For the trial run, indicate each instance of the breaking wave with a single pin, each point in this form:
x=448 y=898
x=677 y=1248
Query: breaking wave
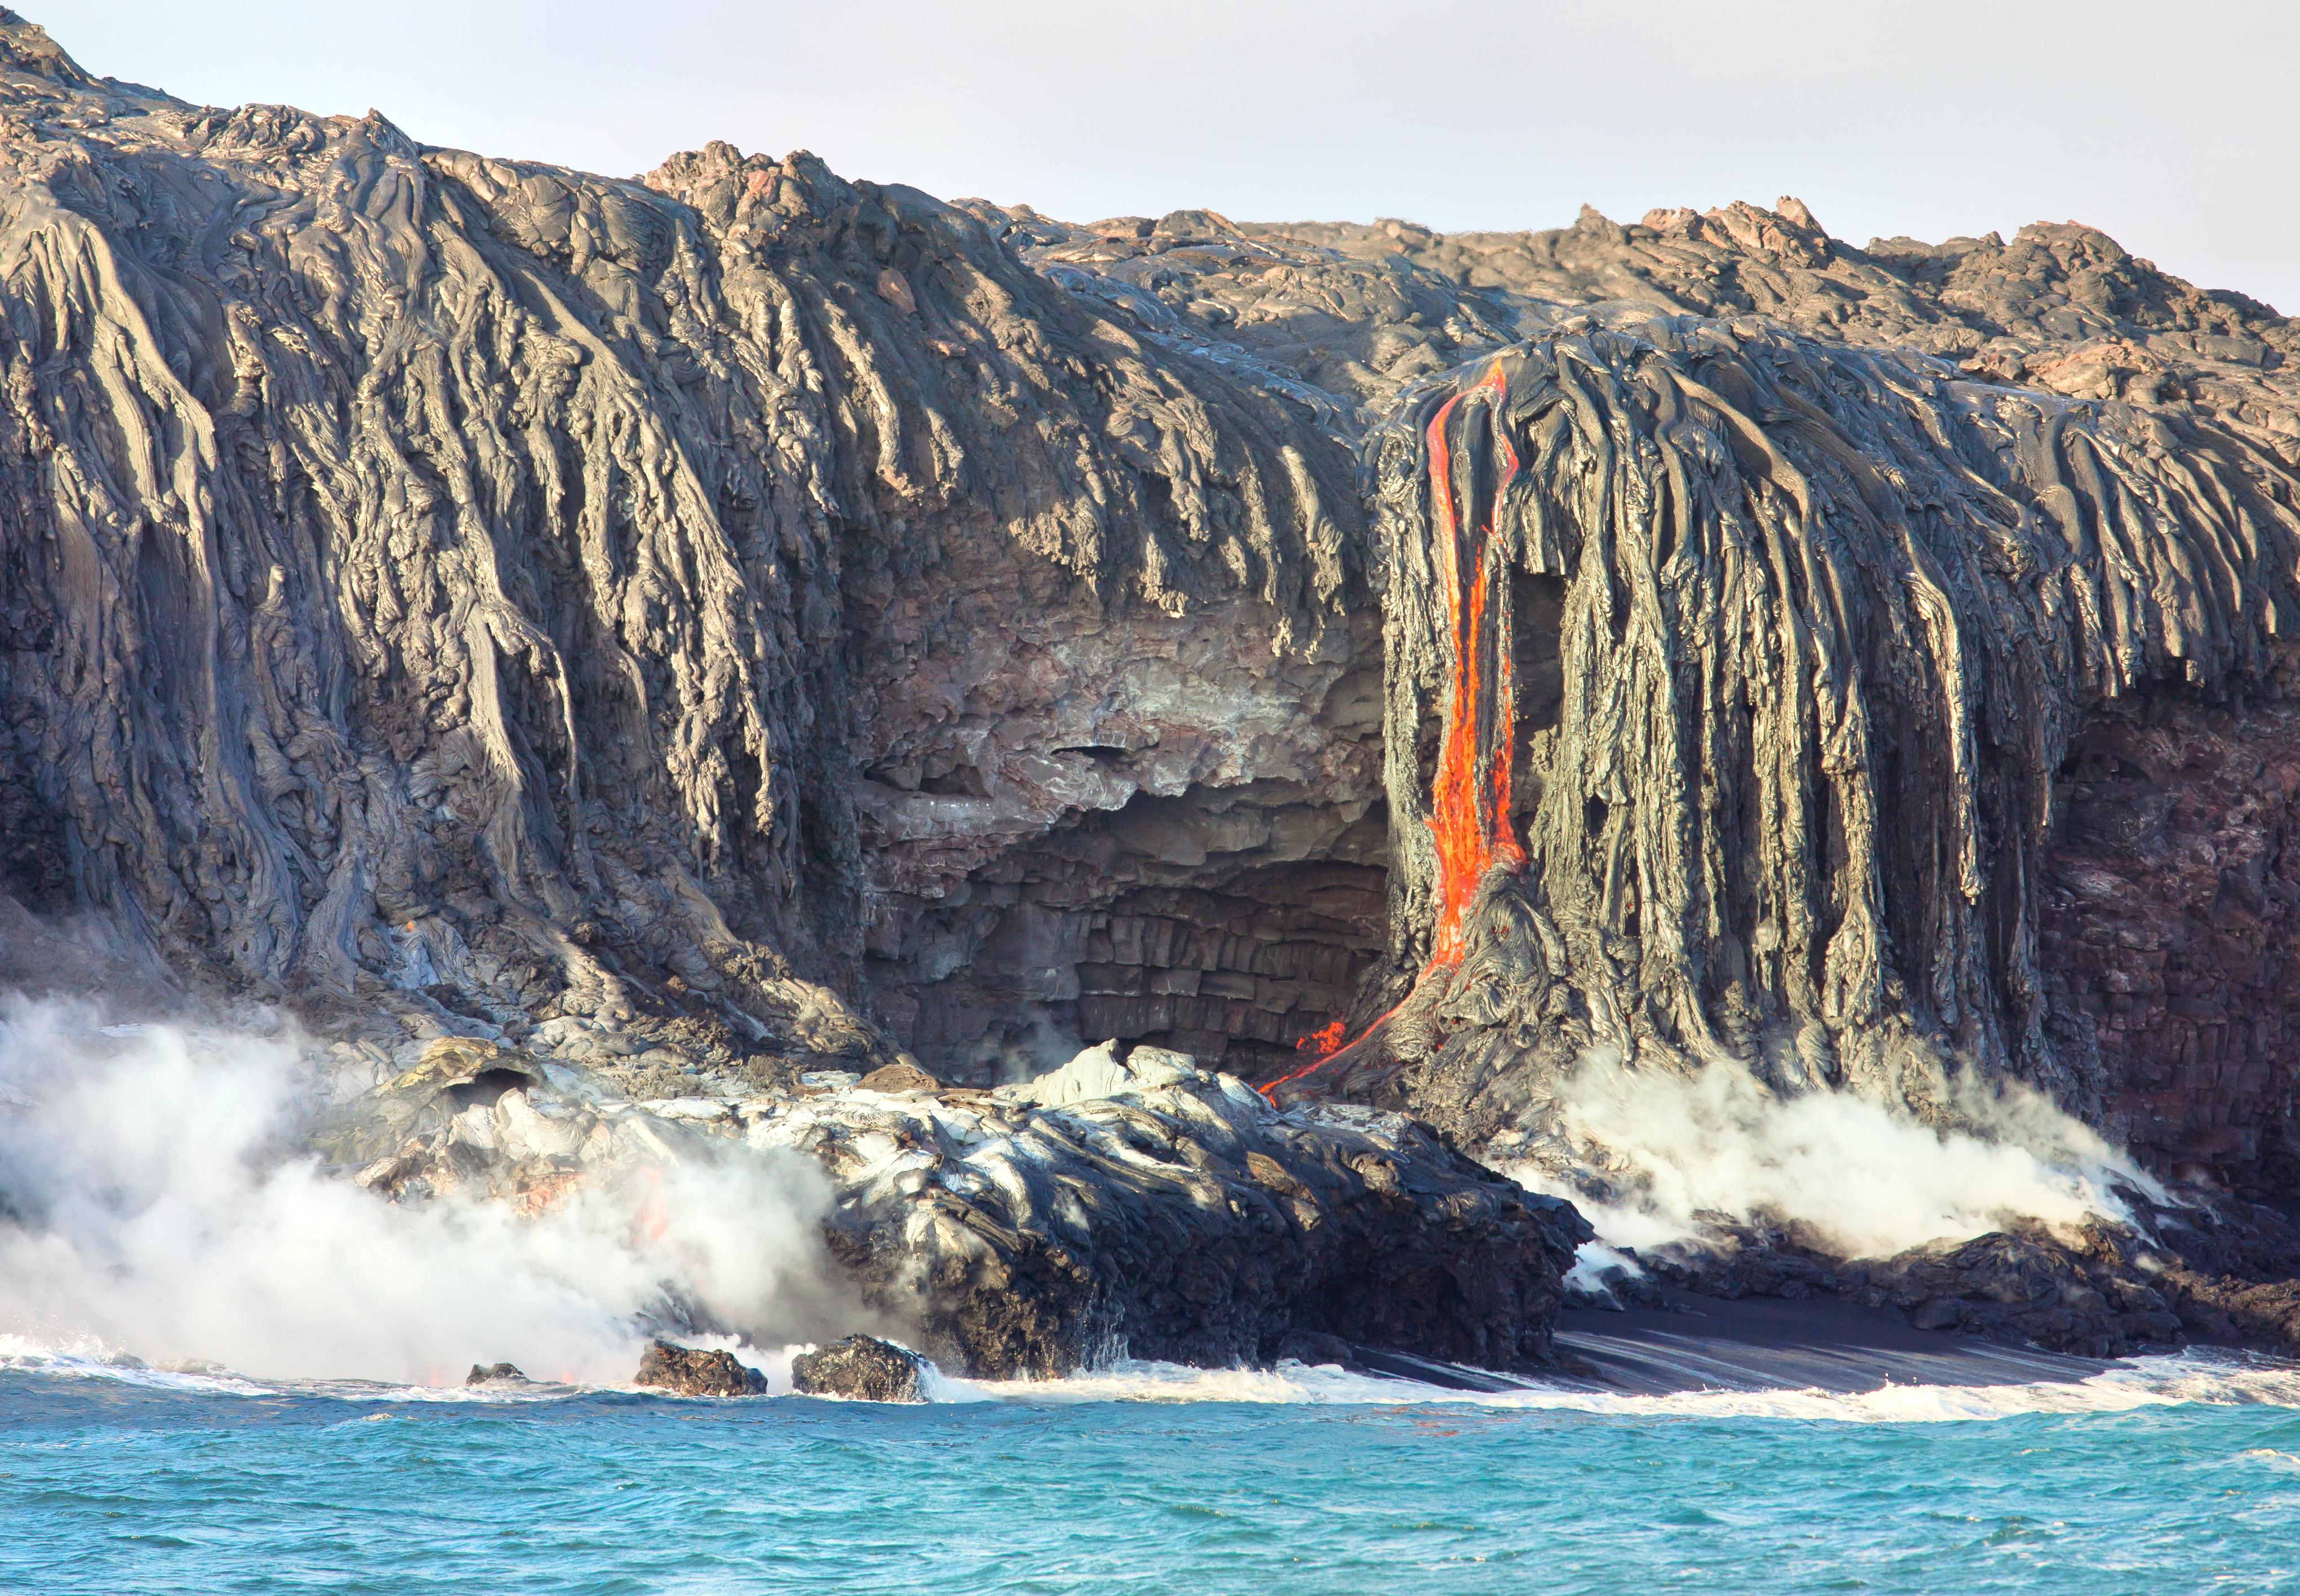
x=2197 y=1376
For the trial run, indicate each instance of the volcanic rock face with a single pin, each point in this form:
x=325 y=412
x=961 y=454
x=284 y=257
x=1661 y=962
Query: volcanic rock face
x=1132 y=825
x=2169 y=928
x=438 y=583
x=722 y=628
x=1825 y=625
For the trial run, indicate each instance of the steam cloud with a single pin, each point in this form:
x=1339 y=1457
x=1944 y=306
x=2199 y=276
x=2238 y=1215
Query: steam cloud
x=152 y=1202
x=1870 y=1179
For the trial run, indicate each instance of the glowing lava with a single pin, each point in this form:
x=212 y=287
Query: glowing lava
x=1470 y=792
x=1470 y=797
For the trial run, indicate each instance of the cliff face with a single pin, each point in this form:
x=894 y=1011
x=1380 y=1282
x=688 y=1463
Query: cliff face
x=719 y=623
x=1753 y=667
x=437 y=582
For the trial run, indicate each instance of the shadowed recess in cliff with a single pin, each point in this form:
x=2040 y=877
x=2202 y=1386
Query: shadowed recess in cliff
x=1829 y=618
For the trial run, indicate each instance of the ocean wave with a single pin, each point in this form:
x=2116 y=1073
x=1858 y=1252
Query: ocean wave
x=2194 y=1377
x=89 y=1359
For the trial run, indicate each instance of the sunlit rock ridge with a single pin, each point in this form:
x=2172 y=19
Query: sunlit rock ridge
x=738 y=622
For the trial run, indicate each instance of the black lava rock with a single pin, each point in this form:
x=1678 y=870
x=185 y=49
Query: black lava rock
x=697 y=1371
x=862 y=1368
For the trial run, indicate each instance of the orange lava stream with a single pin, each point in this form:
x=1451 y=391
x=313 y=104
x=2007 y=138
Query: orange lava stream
x=1470 y=797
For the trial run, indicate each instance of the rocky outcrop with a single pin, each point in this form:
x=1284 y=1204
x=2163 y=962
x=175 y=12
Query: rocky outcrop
x=1143 y=1204
x=862 y=1368
x=2223 y=1272
x=697 y=1371
x=1135 y=1205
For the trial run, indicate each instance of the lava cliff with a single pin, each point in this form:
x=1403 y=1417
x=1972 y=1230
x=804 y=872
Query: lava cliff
x=737 y=621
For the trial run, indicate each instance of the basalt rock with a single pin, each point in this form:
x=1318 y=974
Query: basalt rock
x=1136 y=1205
x=860 y=1368
x=2045 y=499
x=1145 y=1205
x=2202 y=1267
x=697 y=1371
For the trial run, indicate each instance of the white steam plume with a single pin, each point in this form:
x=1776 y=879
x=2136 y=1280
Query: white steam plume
x=152 y=1202
x=1870 y=1179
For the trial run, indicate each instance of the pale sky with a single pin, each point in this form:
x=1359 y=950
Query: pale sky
x=2175 y=128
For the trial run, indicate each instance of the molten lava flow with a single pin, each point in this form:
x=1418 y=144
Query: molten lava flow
x=1470 y=798
x=1470 y=794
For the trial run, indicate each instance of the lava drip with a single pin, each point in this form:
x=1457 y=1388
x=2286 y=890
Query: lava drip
x=1470 y=791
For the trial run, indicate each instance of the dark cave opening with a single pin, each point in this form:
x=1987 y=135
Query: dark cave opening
x=1226 y=923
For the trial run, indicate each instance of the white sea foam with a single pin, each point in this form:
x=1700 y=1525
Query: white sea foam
x=2200 y=1376
x=2152 y=1381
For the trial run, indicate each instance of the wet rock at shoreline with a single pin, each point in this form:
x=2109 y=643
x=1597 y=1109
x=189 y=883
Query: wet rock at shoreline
x=491 y=1374
x=1137 y=1202
x=862 y=1368
x=697 y=1371
x=1127 y=1201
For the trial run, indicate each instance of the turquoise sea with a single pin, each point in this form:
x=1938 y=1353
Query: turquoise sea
x=2176 y=1474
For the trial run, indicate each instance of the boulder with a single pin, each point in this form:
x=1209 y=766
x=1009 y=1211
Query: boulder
x=490 y=1374
x=899 y=1076
x=1143 y=1206
x=862 y=1368
x=1100 y=1073
x=697 y=1371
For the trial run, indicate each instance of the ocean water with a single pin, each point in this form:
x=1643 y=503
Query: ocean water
x=2160 y=1476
